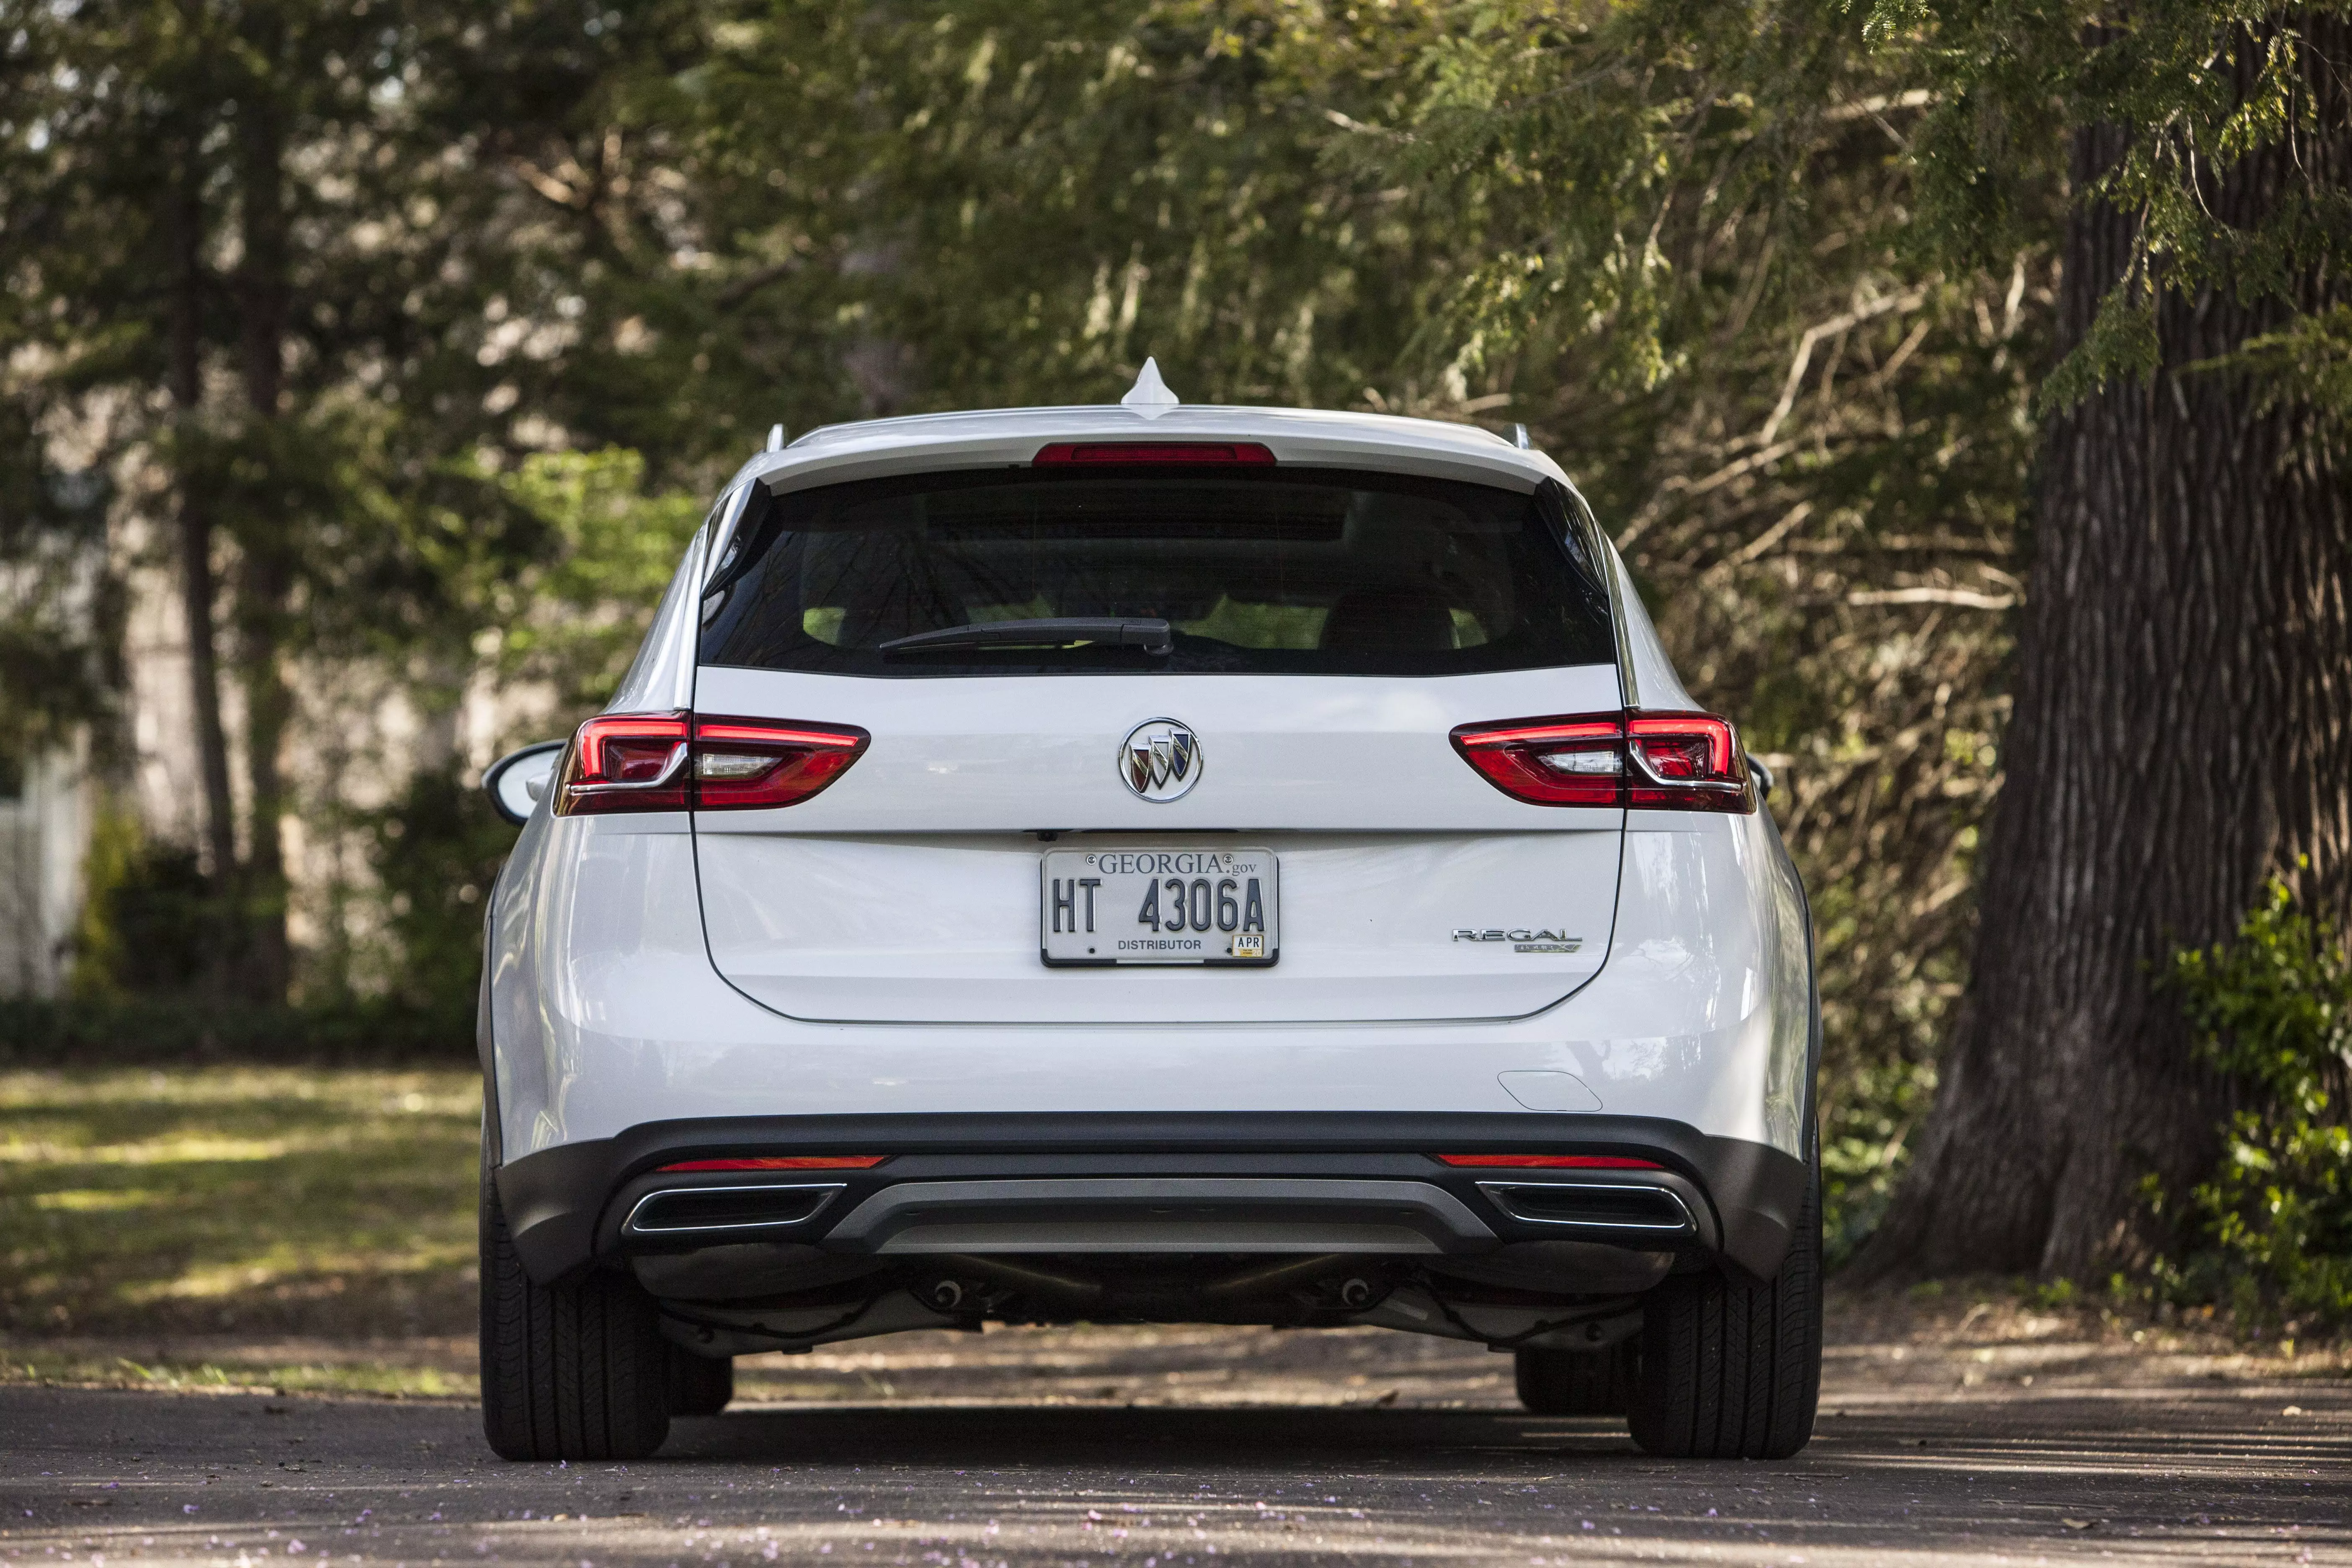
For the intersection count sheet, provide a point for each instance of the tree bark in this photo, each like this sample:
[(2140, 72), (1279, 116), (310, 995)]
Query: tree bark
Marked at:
[(2182, 730), (265, 575), (198, 590)]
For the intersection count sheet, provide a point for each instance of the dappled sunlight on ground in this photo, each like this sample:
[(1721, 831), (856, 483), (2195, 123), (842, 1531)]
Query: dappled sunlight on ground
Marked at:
[(249, 1200)]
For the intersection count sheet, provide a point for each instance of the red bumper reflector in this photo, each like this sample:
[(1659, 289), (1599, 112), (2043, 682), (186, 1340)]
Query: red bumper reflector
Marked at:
[(1248, 453), (786, 1163), (1553, 1161)]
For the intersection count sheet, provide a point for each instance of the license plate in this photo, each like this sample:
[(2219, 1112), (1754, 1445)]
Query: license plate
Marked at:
[(1158, 906)]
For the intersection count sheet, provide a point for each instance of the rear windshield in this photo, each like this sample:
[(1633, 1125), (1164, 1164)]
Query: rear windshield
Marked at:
[(1280, 570)]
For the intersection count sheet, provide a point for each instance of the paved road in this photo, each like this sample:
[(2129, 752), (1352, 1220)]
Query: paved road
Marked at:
[(2206, 1473)]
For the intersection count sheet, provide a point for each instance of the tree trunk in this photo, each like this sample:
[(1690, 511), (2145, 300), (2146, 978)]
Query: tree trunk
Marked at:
[(2182, 729), (197, 589), (265, 577)]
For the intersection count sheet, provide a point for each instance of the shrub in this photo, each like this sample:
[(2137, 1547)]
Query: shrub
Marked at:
[(193, 1030), (149, 922), (436, 848), (2270, 1232)]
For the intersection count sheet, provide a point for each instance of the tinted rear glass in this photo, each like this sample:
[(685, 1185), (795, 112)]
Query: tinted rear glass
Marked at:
[(1278, 572)]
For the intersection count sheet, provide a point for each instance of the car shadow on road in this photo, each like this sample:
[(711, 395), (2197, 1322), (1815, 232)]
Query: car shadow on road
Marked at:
[(987, 1435), (2049, 1435)]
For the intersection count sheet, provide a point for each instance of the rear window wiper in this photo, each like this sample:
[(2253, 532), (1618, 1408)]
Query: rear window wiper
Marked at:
[(1151, 634)]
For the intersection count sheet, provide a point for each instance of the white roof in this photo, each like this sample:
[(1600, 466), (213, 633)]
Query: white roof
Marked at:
[(1011, 437)]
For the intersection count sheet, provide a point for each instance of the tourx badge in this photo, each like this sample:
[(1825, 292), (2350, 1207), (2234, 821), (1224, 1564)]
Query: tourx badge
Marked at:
[(1159, 759)]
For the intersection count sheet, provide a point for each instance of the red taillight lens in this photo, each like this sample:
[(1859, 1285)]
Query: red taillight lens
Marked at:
[(1685, 761), (785, 1163), (744, 764), (1550, 762), (677, 762), (1551, 1161), (1675, 762), (634, 762), (1229, 452)]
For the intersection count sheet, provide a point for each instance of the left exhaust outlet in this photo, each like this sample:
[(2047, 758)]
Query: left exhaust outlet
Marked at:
[(678, 1211)]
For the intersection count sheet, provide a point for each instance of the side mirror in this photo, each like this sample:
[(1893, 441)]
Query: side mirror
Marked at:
[(1764, 780), (517, 781)]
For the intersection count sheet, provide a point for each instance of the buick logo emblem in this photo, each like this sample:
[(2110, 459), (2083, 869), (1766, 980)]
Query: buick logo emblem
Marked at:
[(1159, 759)]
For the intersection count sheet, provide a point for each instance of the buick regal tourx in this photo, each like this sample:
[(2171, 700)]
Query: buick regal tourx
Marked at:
[(1148, 863)]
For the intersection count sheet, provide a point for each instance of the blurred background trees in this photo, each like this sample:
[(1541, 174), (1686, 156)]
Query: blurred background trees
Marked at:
[(394, 346)]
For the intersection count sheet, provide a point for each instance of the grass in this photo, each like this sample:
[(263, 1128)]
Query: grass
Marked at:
[(236, 1201), (395, 1375)]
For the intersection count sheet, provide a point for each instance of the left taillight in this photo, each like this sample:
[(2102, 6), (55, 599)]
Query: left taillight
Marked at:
[(680, 762), (1669, 761), (746, 764), (629, 762)]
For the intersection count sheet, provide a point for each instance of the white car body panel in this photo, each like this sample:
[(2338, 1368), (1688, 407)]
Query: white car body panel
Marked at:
[(606, 1013), (606, 1007), (917, 928)]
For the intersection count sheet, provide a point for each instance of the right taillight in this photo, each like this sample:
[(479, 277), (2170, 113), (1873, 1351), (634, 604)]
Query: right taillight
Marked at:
[(681, 761), (1672, 761)]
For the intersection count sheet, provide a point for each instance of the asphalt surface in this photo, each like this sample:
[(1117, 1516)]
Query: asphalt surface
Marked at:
[(1899, 1473)]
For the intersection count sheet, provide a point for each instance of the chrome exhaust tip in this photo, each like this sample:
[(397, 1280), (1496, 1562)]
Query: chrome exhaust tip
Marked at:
[(689, 1211)]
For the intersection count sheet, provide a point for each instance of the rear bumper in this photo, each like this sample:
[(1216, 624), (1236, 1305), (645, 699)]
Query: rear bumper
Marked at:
[(1204, 1181)]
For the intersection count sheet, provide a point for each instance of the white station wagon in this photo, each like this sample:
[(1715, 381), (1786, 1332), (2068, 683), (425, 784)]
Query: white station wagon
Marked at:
[(1151, 863)]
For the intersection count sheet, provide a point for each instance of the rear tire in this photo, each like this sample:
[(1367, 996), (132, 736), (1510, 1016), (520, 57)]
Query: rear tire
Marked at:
[(569, 1371), (699, 1386), (1733, 1371), (1579, 1383)]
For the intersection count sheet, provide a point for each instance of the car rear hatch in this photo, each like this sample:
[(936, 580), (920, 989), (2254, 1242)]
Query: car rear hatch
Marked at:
[(1229, 709)]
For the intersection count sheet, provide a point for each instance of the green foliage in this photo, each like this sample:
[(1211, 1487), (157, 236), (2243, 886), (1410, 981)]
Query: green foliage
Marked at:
[(436, 851), (1874, 1105), (2161, 105), (933, 206), (151, 933), (151, 926), (2054, 1295), (573, 617), (1596, 159), (2307, 362), (149, 918), (2272, 1227), (167, 1029)]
